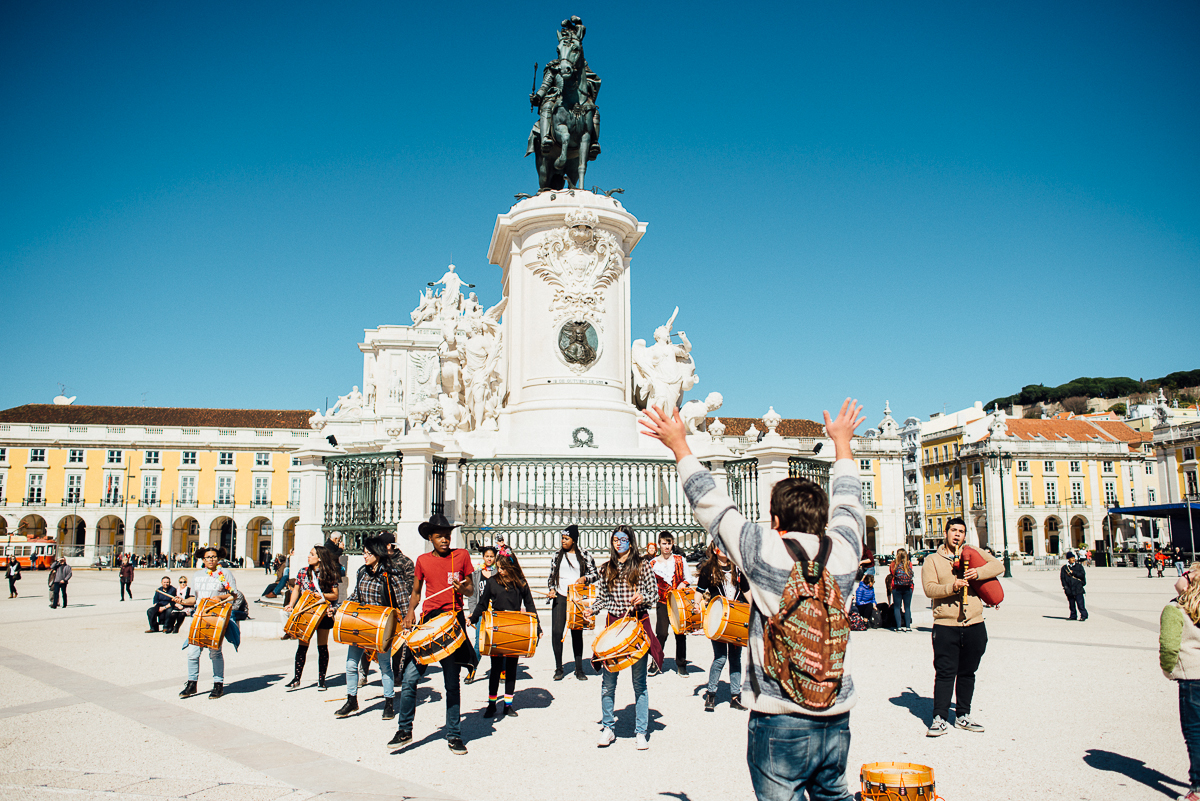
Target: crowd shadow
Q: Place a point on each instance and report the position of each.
(920, 706)
(252, 683)
(1134, 769)
(626, 721)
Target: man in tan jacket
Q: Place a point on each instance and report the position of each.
(959, 635)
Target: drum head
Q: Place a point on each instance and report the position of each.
(714, 618)
(614, 635)
(674, 599)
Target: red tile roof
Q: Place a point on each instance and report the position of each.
(738, 426)
(52, 414)
(1077, 429)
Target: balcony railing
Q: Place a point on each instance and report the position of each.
(293, 504)
(149, 502)
(223, 503)
(73, 501)
(34, 501)
(189, 503)
(259, 503)
(113, 500)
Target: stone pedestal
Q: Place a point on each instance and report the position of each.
(565, 260)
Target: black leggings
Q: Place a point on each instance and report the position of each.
(126, 587)
(558, 624)
(507, 665)
(662, 626)
(956, 654)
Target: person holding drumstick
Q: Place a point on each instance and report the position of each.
(210, 581)
(504, 591)
(322, 577)
(571, 565)
(375, 586)
(447, 572)
(668, 575)
(718, 576)
(626, 587)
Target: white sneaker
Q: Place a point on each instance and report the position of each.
(640, 742)
(607, 738)
(937, 728)
(965, 722)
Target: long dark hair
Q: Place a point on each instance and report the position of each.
(558, 557)
(631, 570)
(329, 571)
(510, 574)
(711, 565)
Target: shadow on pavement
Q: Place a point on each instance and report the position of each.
(915, 703)
(626, 719)
(1133, 768)
(678, 796)
(253, 683)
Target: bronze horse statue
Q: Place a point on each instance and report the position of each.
(566, 135)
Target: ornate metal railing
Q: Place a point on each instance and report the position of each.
(437, 503)
(742, 481)
(530, 501)
(362, 496)
(812, 469)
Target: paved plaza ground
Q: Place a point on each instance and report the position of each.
(90, 711)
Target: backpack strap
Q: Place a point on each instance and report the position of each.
(798, 555)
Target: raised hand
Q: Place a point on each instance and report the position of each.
(841, 428)
(667, 429)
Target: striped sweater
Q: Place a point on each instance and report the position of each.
(762, 556)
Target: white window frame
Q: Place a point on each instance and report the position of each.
(262, 483)
(1047, 466)
(188, 458)
(1189, 453)
(1052, 493)
(1149, 467)
(1110, 493)
(1022, 465)
(74, 488)
(937, 500)
(262, 459)
(187, 488)
(225, 458)
(37, 456)
(224, 489)
(1107, 467)
(75, 456)
(150, 488)
(112, 488)
(977, 487)
(35, 481)
(1150, 494)
(868, 492)
(1025, 492)
(152, 457)
(1077, 493)
(294, 491)
(1075, 466)
(114, 456)
(928, 503)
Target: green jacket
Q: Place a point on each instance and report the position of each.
(1178, 644)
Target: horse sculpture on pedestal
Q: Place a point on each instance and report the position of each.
(566, 136)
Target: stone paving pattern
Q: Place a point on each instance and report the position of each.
(89, 710)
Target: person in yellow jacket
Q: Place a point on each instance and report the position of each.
(959, 636)
(1179, 658)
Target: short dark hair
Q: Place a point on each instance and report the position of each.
(487, 548)
(800, 505)
(666, 535)
(956, 521)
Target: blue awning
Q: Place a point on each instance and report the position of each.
(1157, 509)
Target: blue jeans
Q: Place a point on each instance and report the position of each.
(407, 711)
(721, 651)
(789, 755)
(1189, 721)
(902, 596)
(608, 694)
(1179, 568)
(215, 656)
(384, 660)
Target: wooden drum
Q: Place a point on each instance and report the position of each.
(897, 781)
(369, 627)
(622, 643)
(436, 638)
(684, 611)
(508, 633)
(209, 622)
(579, 603)
(727, 621)
(306, 615)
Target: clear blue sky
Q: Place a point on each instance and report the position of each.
(931, 204)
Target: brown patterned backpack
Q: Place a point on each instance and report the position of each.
(804, 643)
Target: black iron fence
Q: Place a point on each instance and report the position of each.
(437, 503)
(362, 496)
(813, 469)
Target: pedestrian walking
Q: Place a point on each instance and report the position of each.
(1179, 658)
(13, 574)
(959, 635)
(902, 590)
(1073, 578)
(1178, 561)
(126, 577)
(569, 566)
(60, 576)
(1151, 559)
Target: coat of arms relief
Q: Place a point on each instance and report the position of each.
(580, 261)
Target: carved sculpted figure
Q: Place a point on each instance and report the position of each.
(450, 300)
(481, 368)
(348, 406)
(663, 371)
(426, 309)
(567, 134)
(693, 412)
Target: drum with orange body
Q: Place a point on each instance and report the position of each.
(622, 643)
(508, 633)
(306, 615)
(579, 606)
(210, 621)
(897, 781)
(436, 638)
(684, 611)
(727, 621)
(369, 627)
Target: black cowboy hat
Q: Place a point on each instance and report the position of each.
(436, 522)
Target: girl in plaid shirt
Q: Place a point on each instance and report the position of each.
(626, 587)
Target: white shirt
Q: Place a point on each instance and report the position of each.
(210, 585)
(664, 568)
(568, 572)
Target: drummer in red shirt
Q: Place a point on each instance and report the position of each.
(445, 575)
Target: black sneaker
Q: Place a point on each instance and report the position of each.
(509, 712)
(735, 702)
(580, 675)
(351, 705)
(402, 737)
(710, 702)
(189, 690)
(217, 691)
(389, 709)
(558, 674)
(456, 746)
(491, 709)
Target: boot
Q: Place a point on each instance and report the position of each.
(322, 664)
(389, 710)
(579, 674)
(509, 712)
(710, 702)
(735, 702)
(491, 710)
(189, 690)
(217, 691)
(301, 658)
(681, 667)
(351, 705)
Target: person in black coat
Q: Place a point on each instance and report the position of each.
(160, 609)
(505, 591)
(1073, 579)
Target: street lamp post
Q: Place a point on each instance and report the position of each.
(1001, 461)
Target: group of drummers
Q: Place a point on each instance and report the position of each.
(406, 616)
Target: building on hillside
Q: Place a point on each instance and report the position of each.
(105, 480)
